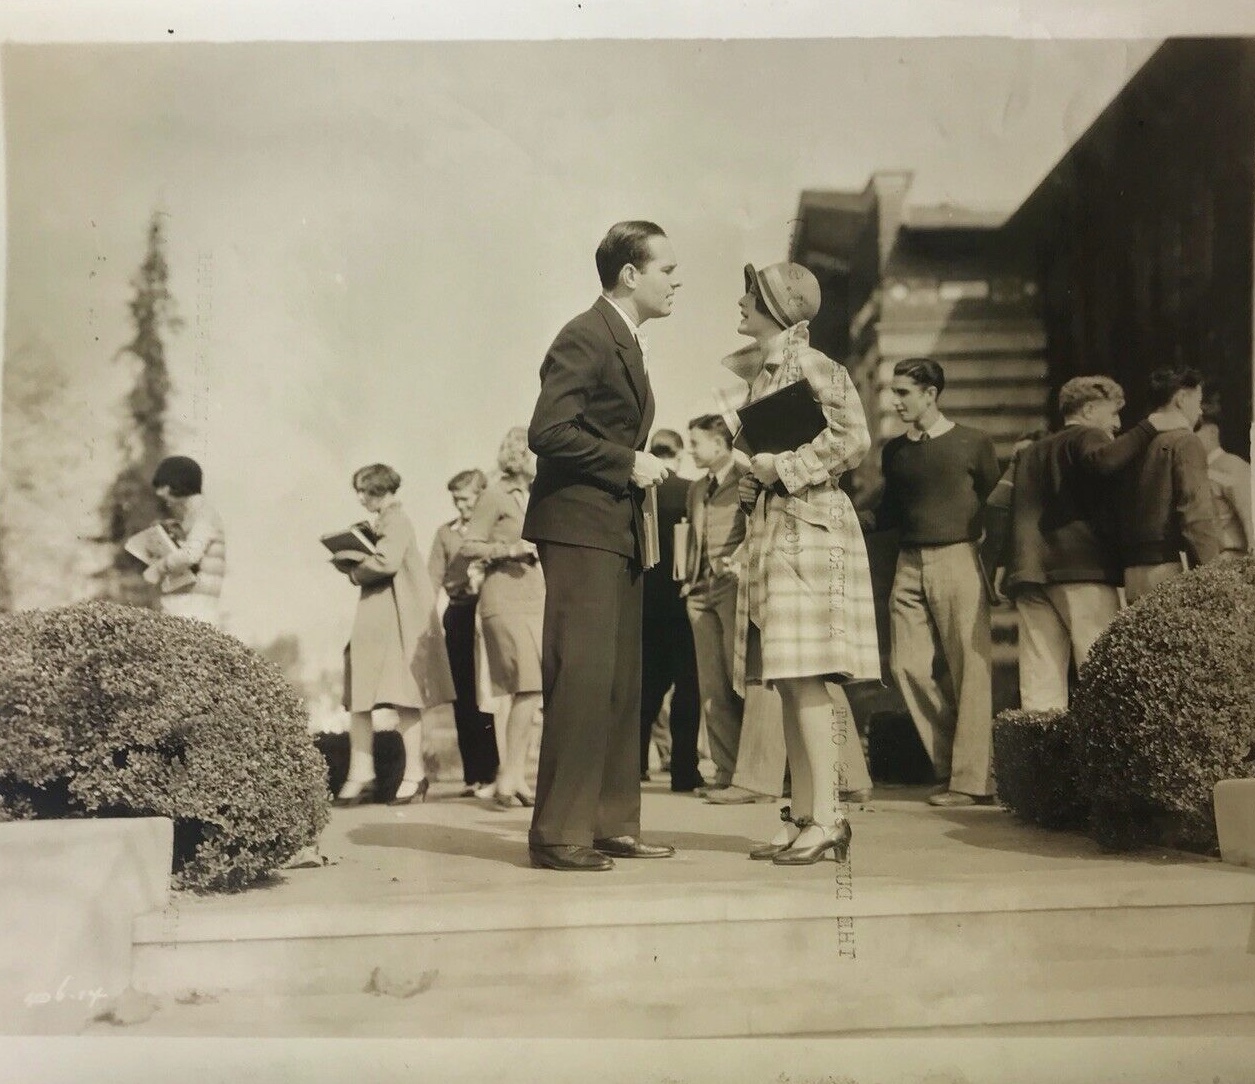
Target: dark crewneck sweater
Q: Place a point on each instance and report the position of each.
(935, 489)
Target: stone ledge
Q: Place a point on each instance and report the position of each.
(70, 893)
(1234, 803)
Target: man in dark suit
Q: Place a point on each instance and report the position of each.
(668, 659)
(588, 431)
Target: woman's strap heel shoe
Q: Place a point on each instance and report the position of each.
(766, 851)
(835, 839)
(411, 791)
(354, 793)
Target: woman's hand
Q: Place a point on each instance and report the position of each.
(347, 560)
(764, 467)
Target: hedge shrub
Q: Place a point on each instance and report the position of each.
(109, 710)
(1166, 708)
(1037, 763)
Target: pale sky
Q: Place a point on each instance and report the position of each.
(372, 245)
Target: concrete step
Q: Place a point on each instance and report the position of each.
(709, 944)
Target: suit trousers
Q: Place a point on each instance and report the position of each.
(667, 662)
(1059, 623)
(477, 741)
(588, 782)
(939, 611)
(712, 615)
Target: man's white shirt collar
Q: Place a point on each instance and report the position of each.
(636, 332)
(721, 475)
(939, 428)
(1213, 455)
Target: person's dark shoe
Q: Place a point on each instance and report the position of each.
(631, 847)
(686, 786)
(567, 856)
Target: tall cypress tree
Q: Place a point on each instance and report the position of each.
(130, 504)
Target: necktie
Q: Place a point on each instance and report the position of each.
(711, 486)
(925, 436)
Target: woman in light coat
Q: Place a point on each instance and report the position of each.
(511, 607)
(396, 660)
(804, 605)
(201, 542)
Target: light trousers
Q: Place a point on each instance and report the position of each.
(939, 612)
(1059, 623)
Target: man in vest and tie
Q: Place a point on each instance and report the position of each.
(717, 529)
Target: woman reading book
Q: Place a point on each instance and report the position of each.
(396, 660)
(804, 602)
(511, 607)
(191, 576)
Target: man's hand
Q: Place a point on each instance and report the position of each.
(747, 490)
(764, 467)
(649, 470)
(523, 550)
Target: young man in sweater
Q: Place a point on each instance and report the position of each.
(1166, 517)
(937, 478)
(1052, 535)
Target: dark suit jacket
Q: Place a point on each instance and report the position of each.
(594, 413)
(721, 524)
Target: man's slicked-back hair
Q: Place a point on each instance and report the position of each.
(1166, 382)
(715, 425)
(625, 243)
(922, 371)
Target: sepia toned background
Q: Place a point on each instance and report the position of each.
(370, 246)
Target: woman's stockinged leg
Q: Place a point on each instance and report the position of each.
(410, 727)
(361, 747)
(801, 802)
(511, 779)
(808, 707)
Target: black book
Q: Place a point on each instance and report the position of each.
(781, 422)
(357, 538)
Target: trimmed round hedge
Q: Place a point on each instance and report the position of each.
(1038, 768)
(110, 710)
(1165, 704)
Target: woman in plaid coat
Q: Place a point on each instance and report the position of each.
(804, 606)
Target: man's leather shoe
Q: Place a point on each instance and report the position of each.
(631, 847)
(737, 796)
(567, 856)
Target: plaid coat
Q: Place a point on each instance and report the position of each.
(804, 604)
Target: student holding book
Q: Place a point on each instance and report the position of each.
(191, 574)
(396, 659)
(804, 606)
